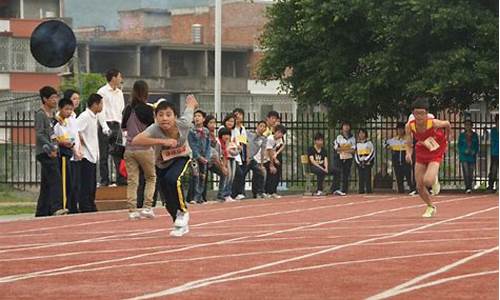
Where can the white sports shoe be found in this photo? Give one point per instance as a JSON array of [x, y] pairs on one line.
[[134, 215], [413, 193], [240, 197], [276, 196], [339, 193], [179, 231], [229, 199], [436, 188], [266, 196], [430, 211], [318, 193], [147, 213], [182, 219]]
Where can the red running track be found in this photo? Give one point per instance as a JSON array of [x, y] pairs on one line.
[[353, 247]]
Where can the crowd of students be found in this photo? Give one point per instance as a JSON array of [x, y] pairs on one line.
[[170, 156], [347, 148]]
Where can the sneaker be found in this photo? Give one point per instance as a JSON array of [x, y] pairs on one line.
[[229, 199], [240, 197], [112, 185], [413, 193], [318, 193], [430, 211], [339, 193], [61, 212], [134, 215], [266, 196], [147, 213], [436, 188], [275, 196], [179, 231], [468, 191], [182, 219], [191, 202]]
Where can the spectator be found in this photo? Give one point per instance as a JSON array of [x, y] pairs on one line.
[[257, 153], [226, 151], [109, 121], [136, 118], [75, 162], [231, 148], [344, 145], [49, 201], [215, 162], [468, 147], [318, 160], [365, 154], [242, 160], [199, 141], [87, 123], [492, 177], [273, 143], [402, 168], [66, 135], [272, 120]]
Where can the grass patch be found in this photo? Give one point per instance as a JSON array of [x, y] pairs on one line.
[[9, 194], [17, 210]]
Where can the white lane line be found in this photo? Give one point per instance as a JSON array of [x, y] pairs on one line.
[[446, 280], [105, 238], [396, 290], [212, 280], [35, 274]]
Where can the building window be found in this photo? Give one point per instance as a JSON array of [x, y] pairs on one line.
[[176, 65]]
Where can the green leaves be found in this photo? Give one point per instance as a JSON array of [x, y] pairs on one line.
[[366, 58]]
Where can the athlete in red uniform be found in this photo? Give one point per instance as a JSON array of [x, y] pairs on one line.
[[429, 150]]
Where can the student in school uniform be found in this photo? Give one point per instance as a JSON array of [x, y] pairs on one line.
[[318, 159], [66, 135], [402, 168], [273, 143], [87, 123], [169, 136], [344, 146], [241, 136], [49, 201], [75, 161], [364, 157]]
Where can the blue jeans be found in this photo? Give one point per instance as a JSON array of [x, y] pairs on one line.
[[226, 182]]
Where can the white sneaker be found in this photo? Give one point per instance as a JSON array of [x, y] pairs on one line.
[[229, 199], [468, 191], [266, 196], [276, 196], [135, 215], [413, 193], [436, 188], [430, 211], [318, 193], [147, 213], [240, 197], [179, 231], [182, 219], [112, 185], [339, 193]]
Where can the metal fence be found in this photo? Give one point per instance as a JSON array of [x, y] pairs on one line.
[[18, 164]]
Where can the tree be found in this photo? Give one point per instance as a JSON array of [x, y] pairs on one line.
[[368, 58], [89, 84]]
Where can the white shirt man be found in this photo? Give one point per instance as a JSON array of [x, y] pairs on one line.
[[87, 126], [113, 105]]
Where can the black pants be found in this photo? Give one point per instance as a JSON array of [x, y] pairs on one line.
[[174, 184], [239, 179], [197, 183], [365, 179], [50, 198], [320, 176], [88, 186], [493, 176], [76, 183], [343, 173], [272, 180], [468, 173], [403, 171], [104, 146], [258, 178]]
